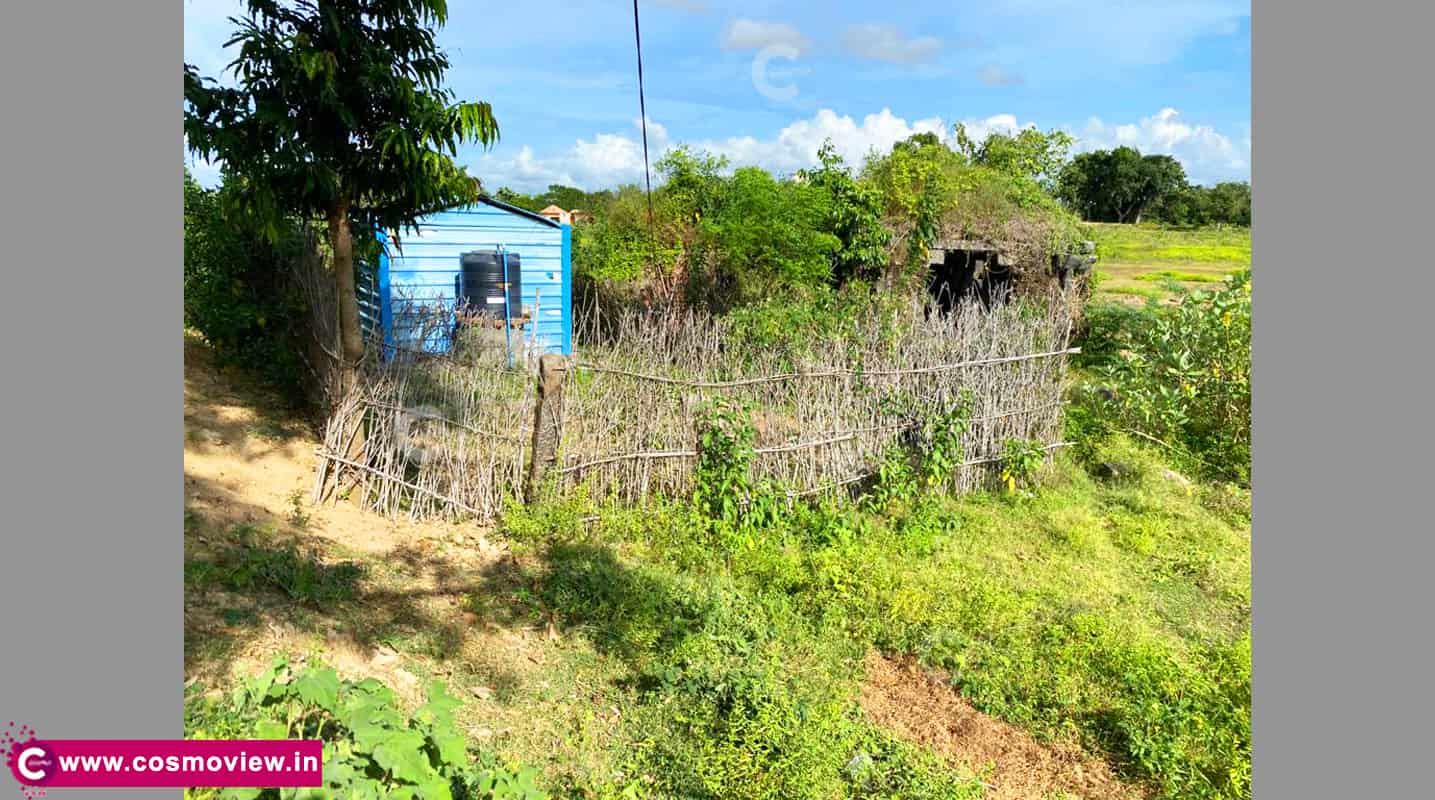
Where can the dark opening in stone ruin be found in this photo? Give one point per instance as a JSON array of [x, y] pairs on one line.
[[966, 270]]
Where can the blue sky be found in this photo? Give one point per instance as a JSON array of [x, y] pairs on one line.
[[766, 82]]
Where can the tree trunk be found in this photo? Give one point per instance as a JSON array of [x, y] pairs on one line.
[[351, 338]]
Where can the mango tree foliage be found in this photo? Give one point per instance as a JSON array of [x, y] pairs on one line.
[[1118, 185], [338, 111]]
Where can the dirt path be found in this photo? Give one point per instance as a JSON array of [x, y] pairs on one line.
[[923, 708], [248, 478], [245, 464]]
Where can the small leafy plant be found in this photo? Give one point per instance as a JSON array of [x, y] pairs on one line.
[[298, 515], [943, 439], [725, 453], [1021, 459], [930, 453], [372, 749]]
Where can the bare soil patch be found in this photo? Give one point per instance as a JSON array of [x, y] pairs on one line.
[[249, 467], [923, 707]]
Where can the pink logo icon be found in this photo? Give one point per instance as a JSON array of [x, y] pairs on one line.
[[30, 760]]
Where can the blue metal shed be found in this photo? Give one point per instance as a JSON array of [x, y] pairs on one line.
[[421, 272]]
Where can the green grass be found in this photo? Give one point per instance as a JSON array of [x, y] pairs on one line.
[[1134, 257], [704, 659], [1113, 612], [1126, 244], [256, 561], [1151, 292], [1180, 276]]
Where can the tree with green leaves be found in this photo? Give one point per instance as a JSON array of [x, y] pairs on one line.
[[1226, 203], [1028, 154], [1230, 203], [1118, 185], [918, 182], [853, 215], [758, 238], [338, 112]]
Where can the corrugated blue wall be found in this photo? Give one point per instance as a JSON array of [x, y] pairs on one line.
[[424, 266]]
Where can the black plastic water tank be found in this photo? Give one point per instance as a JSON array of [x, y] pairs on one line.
[[482, 282]]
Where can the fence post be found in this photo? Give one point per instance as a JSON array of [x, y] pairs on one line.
[[547, 421]]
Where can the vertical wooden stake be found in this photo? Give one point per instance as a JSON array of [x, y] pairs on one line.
[[547, 421]]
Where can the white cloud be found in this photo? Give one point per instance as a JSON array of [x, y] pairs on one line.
[[750, 34], [993, 75], [1207, 154], [609, 159], [605, 160], [656, 130], [796, 145], [888, 43], [980, 129]]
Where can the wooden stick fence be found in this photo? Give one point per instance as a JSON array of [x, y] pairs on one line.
[[460, 434]]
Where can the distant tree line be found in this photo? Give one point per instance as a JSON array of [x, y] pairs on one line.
[[1119, 185], [567, 198], [1227, 203], [1122, 185]]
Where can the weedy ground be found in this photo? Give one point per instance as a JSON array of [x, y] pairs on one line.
[[1138, 261], [1085, 638]]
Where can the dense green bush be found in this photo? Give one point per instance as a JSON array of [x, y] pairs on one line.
[[727, 240], [853, 214], [929, 190], [1182, 374], [762, 237], [372, 748], [238, 291], [1103, 330]]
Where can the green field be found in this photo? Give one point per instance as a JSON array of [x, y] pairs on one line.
[[1139, 261]]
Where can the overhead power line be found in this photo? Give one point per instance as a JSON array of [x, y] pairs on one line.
[[643, 123]]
